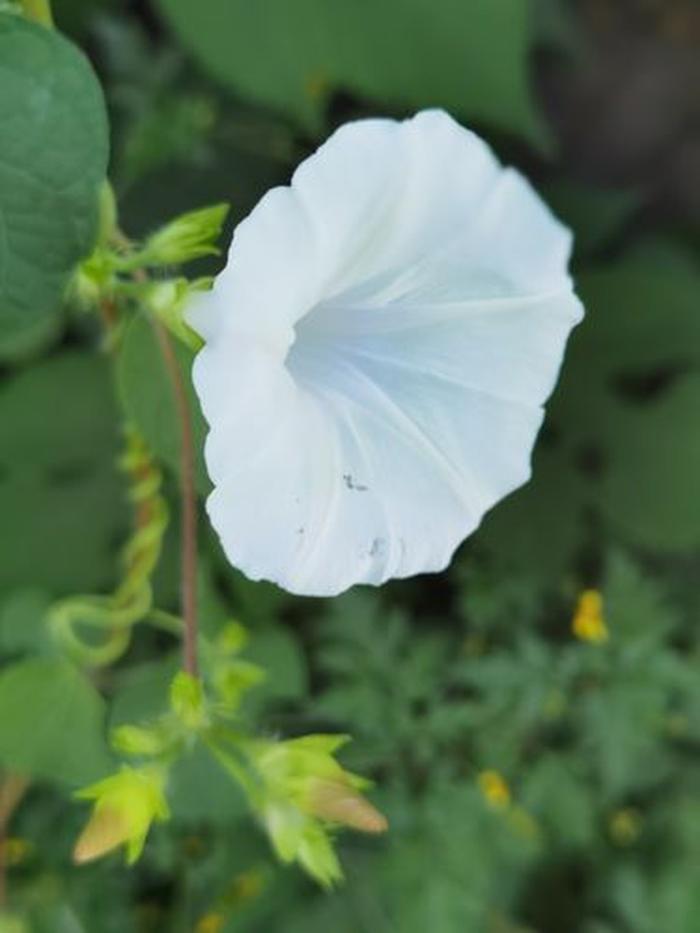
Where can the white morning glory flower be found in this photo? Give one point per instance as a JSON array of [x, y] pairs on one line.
[[378, 351]]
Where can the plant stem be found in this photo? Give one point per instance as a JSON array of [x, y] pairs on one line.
[[188, 537], [39, 11], [189, 501]]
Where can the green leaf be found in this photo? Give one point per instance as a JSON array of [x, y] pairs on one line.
[[142, 691], [31, 339], [52, 722], [195, 769], [651, 491], [61, 498], [642, 322], [538, 529], [407, 53], [75, 16], [23, 628], [279, 654], [557, 797], [596, 215], [640, 313], [634, 605], [53, 159], [147, 397], [621, 729], [624, 415]]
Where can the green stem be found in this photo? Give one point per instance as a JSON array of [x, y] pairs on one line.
[[39, 11], [188, 498]]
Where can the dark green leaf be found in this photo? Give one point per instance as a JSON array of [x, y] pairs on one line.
[[52, 722], [53, 159], [651, 491], [471, 59], [23, 617], [61, 497]]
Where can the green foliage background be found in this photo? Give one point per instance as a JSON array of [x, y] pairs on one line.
[[437, 679]]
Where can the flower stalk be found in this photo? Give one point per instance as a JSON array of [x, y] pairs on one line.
[[188, 501]]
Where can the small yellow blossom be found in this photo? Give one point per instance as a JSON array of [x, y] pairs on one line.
[[494, 789], [14, 851], [588, 623], [210, 923], [247, 886], [625, 826]]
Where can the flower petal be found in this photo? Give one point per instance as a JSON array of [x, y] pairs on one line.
[[379, 349]]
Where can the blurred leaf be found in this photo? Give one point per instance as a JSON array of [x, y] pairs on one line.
[[595, 215], [635, 608], [76, 17], [142, 691], [560, 800], [640, 314], [624, 411], [223, 802], [555, 25], [54, 157], [538, 528], [255, 603], [408, 53], [279, 654], [34, 337], [651, 490], [52, 722], [61, 497], [621, 727], [23, 616]]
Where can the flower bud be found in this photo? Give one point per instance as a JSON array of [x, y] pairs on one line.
[[125, 805], [339, 802], [139, 740], [167, 300], [306, 792], [187, 701], [188, 237]]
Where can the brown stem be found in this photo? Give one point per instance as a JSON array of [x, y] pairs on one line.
[[12, 790], [188, 497]]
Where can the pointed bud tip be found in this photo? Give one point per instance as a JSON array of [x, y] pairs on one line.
[[339, 803], [105, 831]]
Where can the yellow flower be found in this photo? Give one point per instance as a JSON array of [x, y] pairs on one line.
[[494, 789], [126, 804], [588, 623], [210, 923], [14, 851], [625, 826], [247, 886]]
